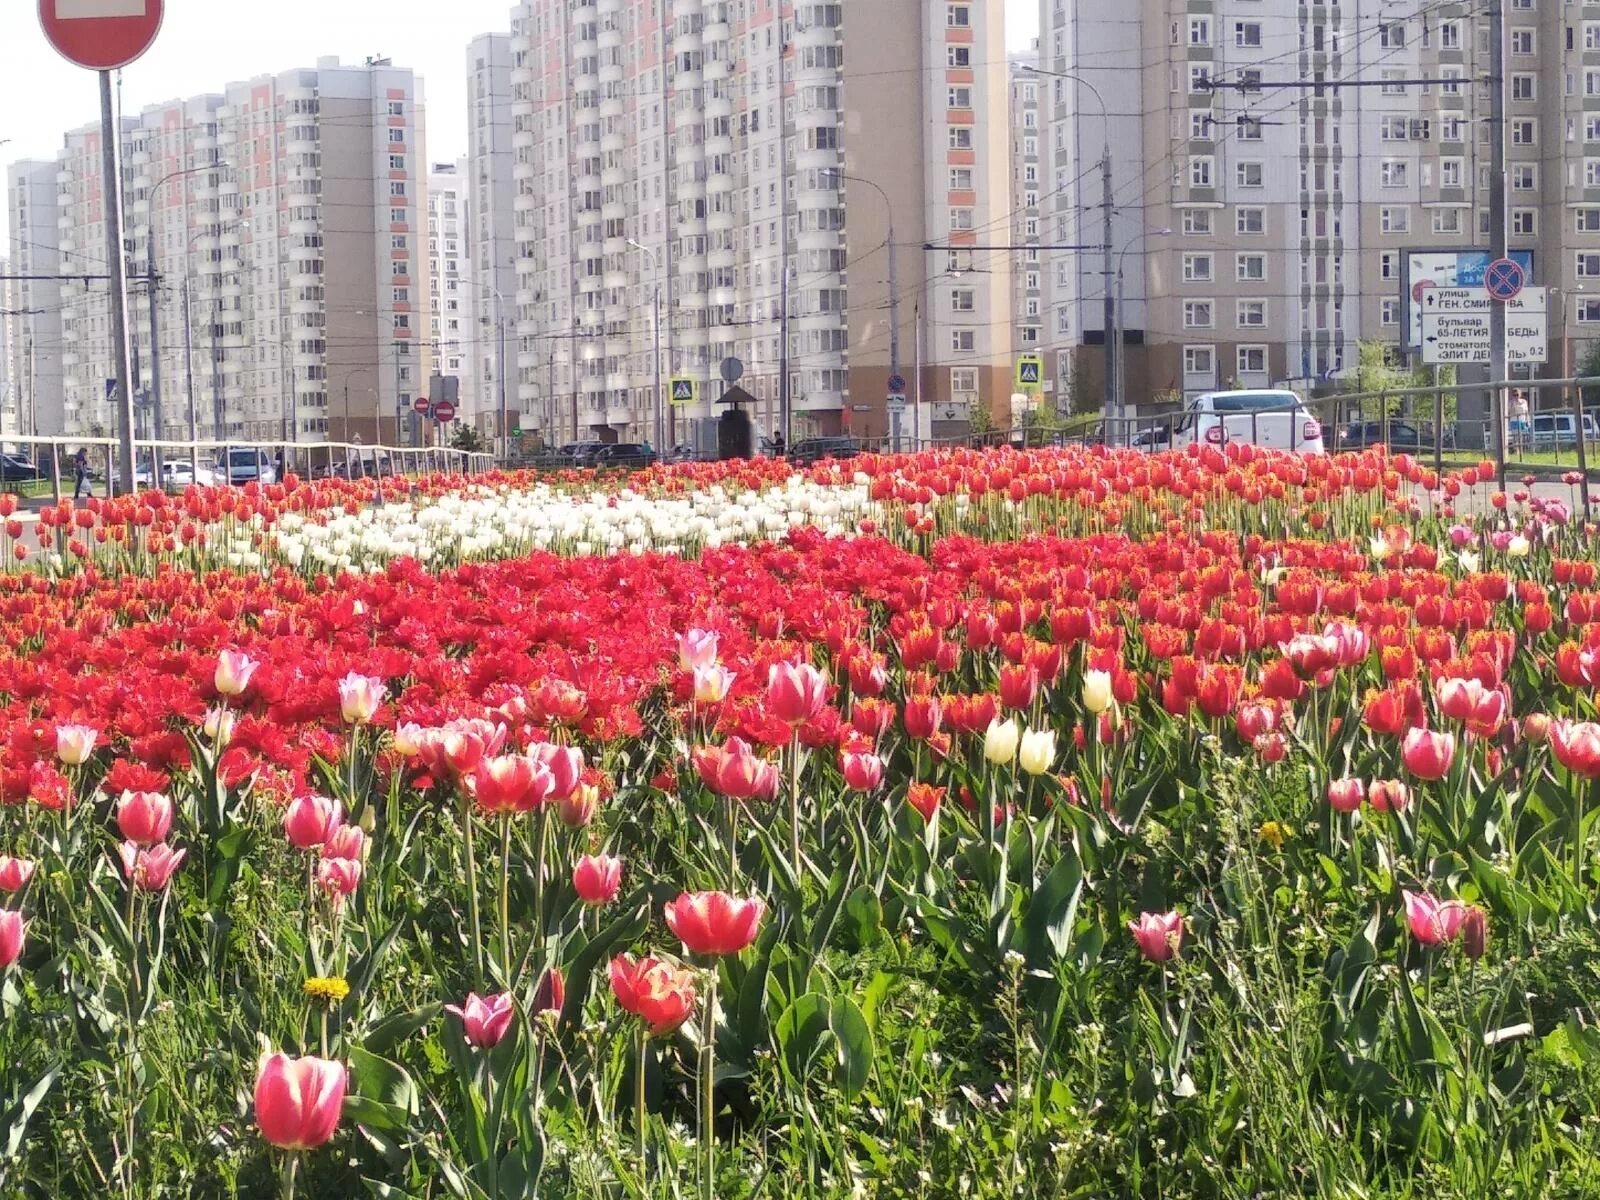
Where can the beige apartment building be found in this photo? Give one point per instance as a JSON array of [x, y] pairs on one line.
[[282, 220], [1269, 222], [746, 160]]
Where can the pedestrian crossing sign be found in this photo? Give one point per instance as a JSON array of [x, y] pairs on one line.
[[1030, 372], [684, 391]]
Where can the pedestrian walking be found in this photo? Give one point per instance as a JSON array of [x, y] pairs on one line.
[[80, 471]]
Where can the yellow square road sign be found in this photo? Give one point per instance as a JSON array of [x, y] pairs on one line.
[[1030, 372], [684, 391]]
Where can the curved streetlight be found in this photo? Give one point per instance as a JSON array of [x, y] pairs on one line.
[[655, 271], [1122, 349]]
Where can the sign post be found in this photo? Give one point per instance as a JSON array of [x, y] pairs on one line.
[[104, 35]]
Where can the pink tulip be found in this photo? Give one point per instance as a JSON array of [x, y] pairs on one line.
[[1348, 643], [597, 877], [299, 1100], [345, 841], [75, 743], [578, 809], [360, 698], [1577, 746], [1344, 795], [565, 764], [149, 869], [234, 670], [711, 684], [1159, 935], [697, 648], [13, 930], [863, 772], [1426, 754], [796, 692], [144, 817], [338, 878], [309, 820], [14, 873], [1388, 795], [1434, 922], [1460, 536], [714, 922], [484, 1019]]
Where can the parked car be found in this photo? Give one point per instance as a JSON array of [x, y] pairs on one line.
[[1397, 435], [813, 450], [1267, 417], [1158, 437], [1558, 431], [626, 456], [250, 466], [573, 454], [16, 469], [181, 473]]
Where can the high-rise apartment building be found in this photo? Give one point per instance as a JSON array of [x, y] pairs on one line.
[[454, 331], [277, 229], [1026, 188], [35, 346], [747, 162], [492, 202], [1267, 224]]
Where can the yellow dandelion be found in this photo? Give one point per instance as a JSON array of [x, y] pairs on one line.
[[329, 991], [1274, 833]]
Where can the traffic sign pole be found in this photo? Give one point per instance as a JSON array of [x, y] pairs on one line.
[[111, 182]]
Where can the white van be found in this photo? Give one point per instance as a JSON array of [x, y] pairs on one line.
[[1269, 417], [1558, 430]]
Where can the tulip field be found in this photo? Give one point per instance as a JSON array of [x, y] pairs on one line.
[[964, 824]]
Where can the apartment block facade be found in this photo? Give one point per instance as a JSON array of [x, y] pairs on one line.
[[1026, 188], [492, 203], [454, 330], [277, 229], [746, 160], [1270, 220], [34, 343]]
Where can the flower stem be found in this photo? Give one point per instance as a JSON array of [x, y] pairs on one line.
[[291, 1167], [733, 845], [472, 890], [794, 803], [638, 1098], [708, 1062], [505, 897]]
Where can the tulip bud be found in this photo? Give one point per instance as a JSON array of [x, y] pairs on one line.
[[233, 673], [1344, 795], [1536, 728], [1475, 933], [1037, 751], [578, 808], [1000, 741], [1097, 691], [75, 743]]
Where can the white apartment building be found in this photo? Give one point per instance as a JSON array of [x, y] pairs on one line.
[[748, 161], [283, 221], [35, 346], [10, 401], [453, 329], [493, 219], [1296, 211], [1027, 175]]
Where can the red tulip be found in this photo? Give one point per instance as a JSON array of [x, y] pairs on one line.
[[346, 841], [510, 783], [551, 994], [1433, 922], [1159, 935], [1388, 795], [796, 692], [924, 798], [1577, 746], [13, 931], [658, 993], [924, 716], [1426, 754], [144, 817], [1019, 686], [309, 820], [597, 877], [1475, 933], [1344, 795], [149, 870], [14, 873], [484, 1019], [863, 771], [714, 922], [299, 1100]]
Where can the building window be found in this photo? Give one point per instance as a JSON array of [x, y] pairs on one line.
[[1252, 360], [1199, 78], [1197, 314], [1249, 129], [1389, 312], [960, 218], [1386, 266], [1450, 172], [1199, 31], [1197, 268], [963, 341], [961, 137], [1586, 220], [397, 108], [1447, 220], [1588, 265], [962, 300], [1525, 177], [1524, 222], [1251, 314], [1250, 268], [1395, 172], [960, 179], [1451, 129], [1247, 34], [1197, 222], [958, 16], [1524, 132], [1591, 172], [1393, 127], [1522, 42], [1249, 174], [1589, 311], [1200, 167], [1250, 220], [959, 97], [1394, 220], [1199, 360], [1523, 87], [1392, 37], [958, 56]]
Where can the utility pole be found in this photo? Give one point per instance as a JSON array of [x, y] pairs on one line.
[[1497, 227], [188, 380], [1113, 333], [783, 255], [111, 201]]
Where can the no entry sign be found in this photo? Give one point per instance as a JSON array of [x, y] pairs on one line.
[[101, 34]]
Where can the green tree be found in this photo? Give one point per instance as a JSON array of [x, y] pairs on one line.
[[465, 437]]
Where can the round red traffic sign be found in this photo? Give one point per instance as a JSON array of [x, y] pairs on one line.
[[421, 405], [1420, 288], [101, 34], [444, 411]]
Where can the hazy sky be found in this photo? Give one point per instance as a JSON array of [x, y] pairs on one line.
[[205, 44]]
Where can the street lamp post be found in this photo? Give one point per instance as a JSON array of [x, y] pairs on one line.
[[1121, 403], [155, 336], [894, 284], [655, 271], [1110, 313]]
